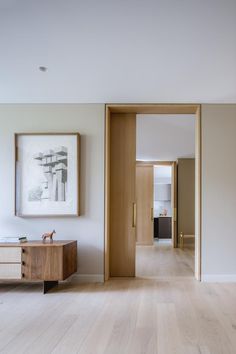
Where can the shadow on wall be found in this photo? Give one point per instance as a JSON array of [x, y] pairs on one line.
[[86, 175], [83, 168], [93, 253]]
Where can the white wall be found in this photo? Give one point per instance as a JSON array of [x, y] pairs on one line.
[[88, 229], [219, 192]]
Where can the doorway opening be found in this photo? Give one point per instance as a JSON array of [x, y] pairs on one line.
[[165, 195], [121, 211]]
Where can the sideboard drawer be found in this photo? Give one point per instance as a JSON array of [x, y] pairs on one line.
[[10, 271], [10, 254]]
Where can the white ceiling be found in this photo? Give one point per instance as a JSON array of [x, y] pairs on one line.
[[165, 137], [118, 51]]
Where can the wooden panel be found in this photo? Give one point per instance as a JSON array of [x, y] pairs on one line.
[[152, 163], [186, 199], [154, 108], [144, 198], [10, 254], [198, 194], [174, 203], [107, 196], [122, 194], [10, 271], [69, 259], [42, 263]]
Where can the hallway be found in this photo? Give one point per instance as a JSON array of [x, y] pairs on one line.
[[162, 260]]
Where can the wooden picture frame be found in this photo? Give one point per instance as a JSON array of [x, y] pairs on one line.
[[47, 174]]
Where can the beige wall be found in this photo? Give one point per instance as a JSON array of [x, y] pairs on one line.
[[219, 192], [186, 196], [88, 229], [218, 183]]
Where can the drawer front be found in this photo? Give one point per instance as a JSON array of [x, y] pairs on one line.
[[10, 271], [42, 263], [10, 254]]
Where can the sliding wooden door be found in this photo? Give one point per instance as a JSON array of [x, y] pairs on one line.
[[122, 194], [174, 203], [144, 197]]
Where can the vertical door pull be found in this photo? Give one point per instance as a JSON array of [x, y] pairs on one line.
[[134, 218], [152, 216]]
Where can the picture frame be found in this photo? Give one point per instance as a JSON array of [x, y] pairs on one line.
[[47, 174]]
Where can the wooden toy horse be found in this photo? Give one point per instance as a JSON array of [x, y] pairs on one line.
[[48, 235]]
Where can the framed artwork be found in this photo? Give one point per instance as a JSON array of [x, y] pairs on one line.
[[47, 174]]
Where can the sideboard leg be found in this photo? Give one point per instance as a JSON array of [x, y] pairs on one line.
[[48, 285]]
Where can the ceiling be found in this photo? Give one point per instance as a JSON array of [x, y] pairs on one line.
[[165, 137], [118, 51]]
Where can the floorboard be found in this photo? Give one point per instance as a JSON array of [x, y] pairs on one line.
[[162, 260], [163, 310]]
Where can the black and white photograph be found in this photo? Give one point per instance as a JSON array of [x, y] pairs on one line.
[[47, 174]]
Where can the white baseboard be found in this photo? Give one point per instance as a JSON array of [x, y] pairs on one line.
[[219, 278], [87, 278]]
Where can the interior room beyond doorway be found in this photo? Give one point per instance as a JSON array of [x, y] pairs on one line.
[[165, 235], [162, 203]]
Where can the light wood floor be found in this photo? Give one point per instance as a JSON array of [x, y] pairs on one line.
[[172, 314], [162, 260]]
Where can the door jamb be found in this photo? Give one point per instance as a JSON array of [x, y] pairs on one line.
[[156, 109]]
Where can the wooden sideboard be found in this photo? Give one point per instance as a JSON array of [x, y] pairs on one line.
[[38, 261]]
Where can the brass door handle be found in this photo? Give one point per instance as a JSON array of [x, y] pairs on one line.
[[152, 216], [134, 217], [181, 236]]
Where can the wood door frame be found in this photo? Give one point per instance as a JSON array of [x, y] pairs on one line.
[[172, 164], [156, 109], [154, 163]]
